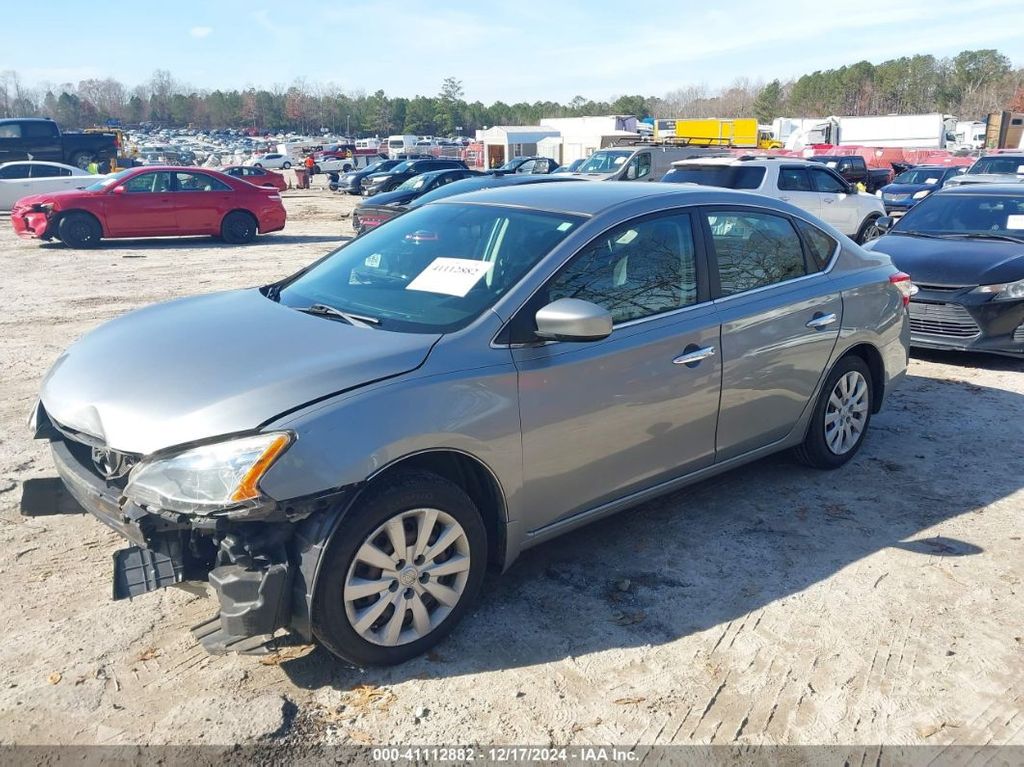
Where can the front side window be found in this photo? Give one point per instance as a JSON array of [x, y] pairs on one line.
[[823, 181], [639, 166], [636, 270], [149, 182], [199, 182], [754, 250], [48, 171], [434, 269], [794, 180]]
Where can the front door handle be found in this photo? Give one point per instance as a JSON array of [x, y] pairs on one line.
[[693, 357], [828, 200], [821, 321]]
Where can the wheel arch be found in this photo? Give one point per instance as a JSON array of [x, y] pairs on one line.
[[247, 212], [73, 211], [475, 478], [876, 365]]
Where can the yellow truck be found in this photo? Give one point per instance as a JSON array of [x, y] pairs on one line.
[[742, 132]]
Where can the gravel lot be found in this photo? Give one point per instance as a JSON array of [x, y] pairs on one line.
[[878, 604]]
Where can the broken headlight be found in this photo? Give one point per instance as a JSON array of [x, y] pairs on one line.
[[207, 478]]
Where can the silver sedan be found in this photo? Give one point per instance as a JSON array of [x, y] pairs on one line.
[[343, 453]]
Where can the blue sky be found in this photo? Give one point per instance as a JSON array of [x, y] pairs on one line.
[[512, 50]]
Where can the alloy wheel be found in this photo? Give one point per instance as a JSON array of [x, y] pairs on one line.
[[846, 412], [407, 577]]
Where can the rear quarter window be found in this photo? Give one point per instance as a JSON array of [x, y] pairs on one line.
[[821, 246]]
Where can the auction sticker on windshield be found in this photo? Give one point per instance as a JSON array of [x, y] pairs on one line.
[[450, 276], [1015, 222]]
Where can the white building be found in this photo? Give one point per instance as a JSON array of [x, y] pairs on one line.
[[503, 142], [582, 136]]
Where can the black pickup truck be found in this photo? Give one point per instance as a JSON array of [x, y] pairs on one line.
[[38, 138], [853, 168]]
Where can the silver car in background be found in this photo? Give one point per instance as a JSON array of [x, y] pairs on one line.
[[345, 452]]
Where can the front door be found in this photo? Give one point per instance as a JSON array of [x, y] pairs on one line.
[[780, 320], [795, 188], [836, 206], [145, 208], [606, 418]]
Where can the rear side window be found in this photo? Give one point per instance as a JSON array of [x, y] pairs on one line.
[[726, 176], [821, 246], [636, 270], [200, 182], [11, 130], [754, 250], [48, 171], [794, 180]]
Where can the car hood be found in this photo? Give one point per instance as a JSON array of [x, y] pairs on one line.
[[907, 188], [217, 364], [951, 262], [985, 178], [55, 197], [388, 198]]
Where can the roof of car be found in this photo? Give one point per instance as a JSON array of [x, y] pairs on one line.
[[754, 161], [982, 189], [590, 197]]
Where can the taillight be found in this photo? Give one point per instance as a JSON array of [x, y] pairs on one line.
[[904, 284]]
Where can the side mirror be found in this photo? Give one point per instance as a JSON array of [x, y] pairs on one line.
[[570, 319], [884, 223], [118, 189]]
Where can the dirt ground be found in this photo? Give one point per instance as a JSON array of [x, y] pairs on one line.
[[882, 603]]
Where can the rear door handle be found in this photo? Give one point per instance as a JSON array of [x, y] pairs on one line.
[[786, 199], [821, 321], [694, 357]]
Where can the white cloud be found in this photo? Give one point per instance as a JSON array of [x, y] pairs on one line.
[[200, 32]]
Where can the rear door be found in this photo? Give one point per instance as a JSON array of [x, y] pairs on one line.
[[838, 208], [794, 186], [780, 319], [200, 202], [146, 207], [606, 418]]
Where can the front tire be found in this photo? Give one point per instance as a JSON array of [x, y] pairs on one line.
[[400, 572], [841, 416], [868, 231], [239, 228], [286, 165], [79, 230]]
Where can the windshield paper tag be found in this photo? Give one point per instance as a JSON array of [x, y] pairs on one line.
[[1015, 222], [450, 276], [931, 181]]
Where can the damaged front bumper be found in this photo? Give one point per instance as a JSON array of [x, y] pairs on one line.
[[261, 571]]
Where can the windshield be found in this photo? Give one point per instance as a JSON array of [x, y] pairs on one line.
[[402, 167], [919, 176], [381, 165], [433, 270], [966, 214], [998, 165], [512, 164], [107, 181], [606, 161], [414, 183], [728, 176]]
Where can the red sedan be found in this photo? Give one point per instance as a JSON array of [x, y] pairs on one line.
[[257, 176], [152, 202]]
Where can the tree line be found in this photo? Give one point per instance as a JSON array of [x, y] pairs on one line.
[[969, 85]]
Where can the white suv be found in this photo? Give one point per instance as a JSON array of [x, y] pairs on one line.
[[808, 185]]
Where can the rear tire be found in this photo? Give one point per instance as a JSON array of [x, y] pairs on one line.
[[841, 416], [239, 228], [404, 617], [82, 159], [79, 230], [868, 231]]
